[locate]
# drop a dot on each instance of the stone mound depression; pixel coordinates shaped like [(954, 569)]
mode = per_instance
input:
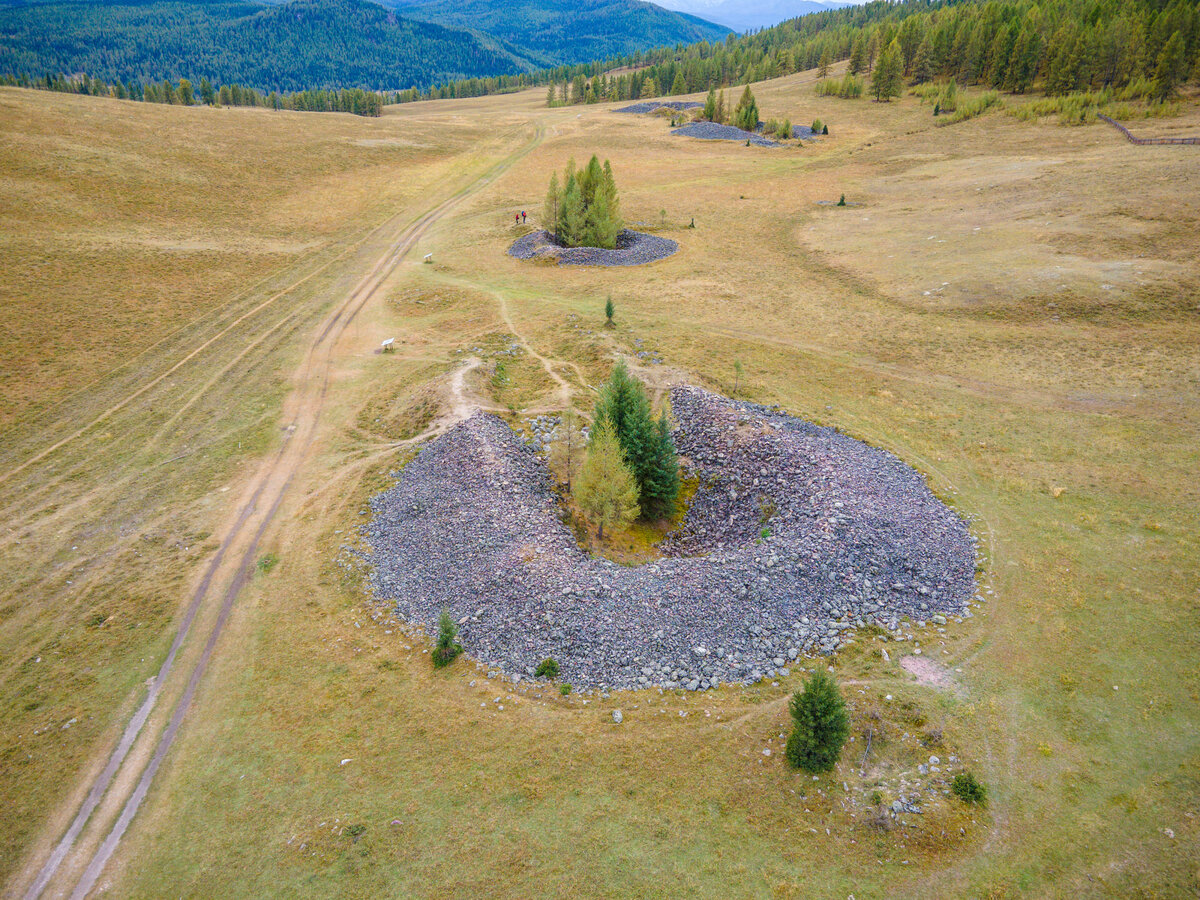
[(855, 537), (634, 248)]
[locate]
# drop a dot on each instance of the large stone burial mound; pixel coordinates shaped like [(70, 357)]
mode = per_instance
[(854, 536)]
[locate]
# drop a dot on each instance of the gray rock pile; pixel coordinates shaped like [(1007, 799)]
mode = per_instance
[(649, 106), (634, 248), (853, 536), (711, 131)]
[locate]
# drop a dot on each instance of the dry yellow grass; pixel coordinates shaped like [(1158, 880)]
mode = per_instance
[(1046, 384)]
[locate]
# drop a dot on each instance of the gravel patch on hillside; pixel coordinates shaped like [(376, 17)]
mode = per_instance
[(711, 131), (649, 106), (804, 132), (856, 537), (634, 248)]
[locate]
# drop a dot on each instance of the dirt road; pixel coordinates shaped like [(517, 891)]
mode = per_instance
[(70, 869)]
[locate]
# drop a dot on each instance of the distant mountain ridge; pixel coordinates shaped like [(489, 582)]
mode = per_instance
[(328, 43), (745, 15), (562, 32)]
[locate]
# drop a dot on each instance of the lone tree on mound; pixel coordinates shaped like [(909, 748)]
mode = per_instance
[(645, 441), (605, 489), (745, 114), (820, 725), (582, 210)]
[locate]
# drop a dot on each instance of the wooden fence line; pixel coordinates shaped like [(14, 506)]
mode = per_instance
[(1137, 140)]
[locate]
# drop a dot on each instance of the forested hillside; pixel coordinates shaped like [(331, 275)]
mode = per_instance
[(554, 32), (1056, 46), (310, 44), (305, 44)]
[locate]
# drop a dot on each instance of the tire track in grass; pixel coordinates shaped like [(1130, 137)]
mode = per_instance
[(241, 542)]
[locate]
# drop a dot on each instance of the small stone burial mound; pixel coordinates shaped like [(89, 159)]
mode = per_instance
[(711, 131), (853, 536), (634, 248), (649, 106)]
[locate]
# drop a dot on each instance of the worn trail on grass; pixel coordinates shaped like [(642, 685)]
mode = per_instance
[(238, 550)]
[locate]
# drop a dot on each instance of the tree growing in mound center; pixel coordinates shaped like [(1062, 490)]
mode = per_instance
[(582, 210), (645, 441), (605, 488), (745, 114), (820, 725)]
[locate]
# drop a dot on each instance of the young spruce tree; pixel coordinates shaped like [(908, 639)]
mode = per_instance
[(819, 725)]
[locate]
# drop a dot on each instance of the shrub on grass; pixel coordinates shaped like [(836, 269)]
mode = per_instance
[(820, 725), (968, 789), (976, 106), (817, 125), (849, 87), (564, 689), (447, 649), (547, 668)]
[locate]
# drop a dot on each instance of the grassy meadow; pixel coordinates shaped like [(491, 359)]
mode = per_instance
[(1009, 306)]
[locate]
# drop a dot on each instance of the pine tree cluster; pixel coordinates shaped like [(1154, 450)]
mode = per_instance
[(745, 114), (583, 210), (645, 441)]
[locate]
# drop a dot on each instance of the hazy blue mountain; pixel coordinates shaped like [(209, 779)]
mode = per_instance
[(557, 32), (743, 15)]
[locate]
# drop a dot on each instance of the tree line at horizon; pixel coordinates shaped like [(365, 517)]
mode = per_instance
[(347, 100)]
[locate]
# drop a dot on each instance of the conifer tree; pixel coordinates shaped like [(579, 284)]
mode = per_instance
[(923, 62), (646, 443), (679, 86), (572, 216), (550, 206), (566, 452), (885, 81), (745, 114), (447, 648), (820, 724), (858, 55), (1171, 69), (661, 490), (722, 110), (823, 65), (709, 112), (605, 489)]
